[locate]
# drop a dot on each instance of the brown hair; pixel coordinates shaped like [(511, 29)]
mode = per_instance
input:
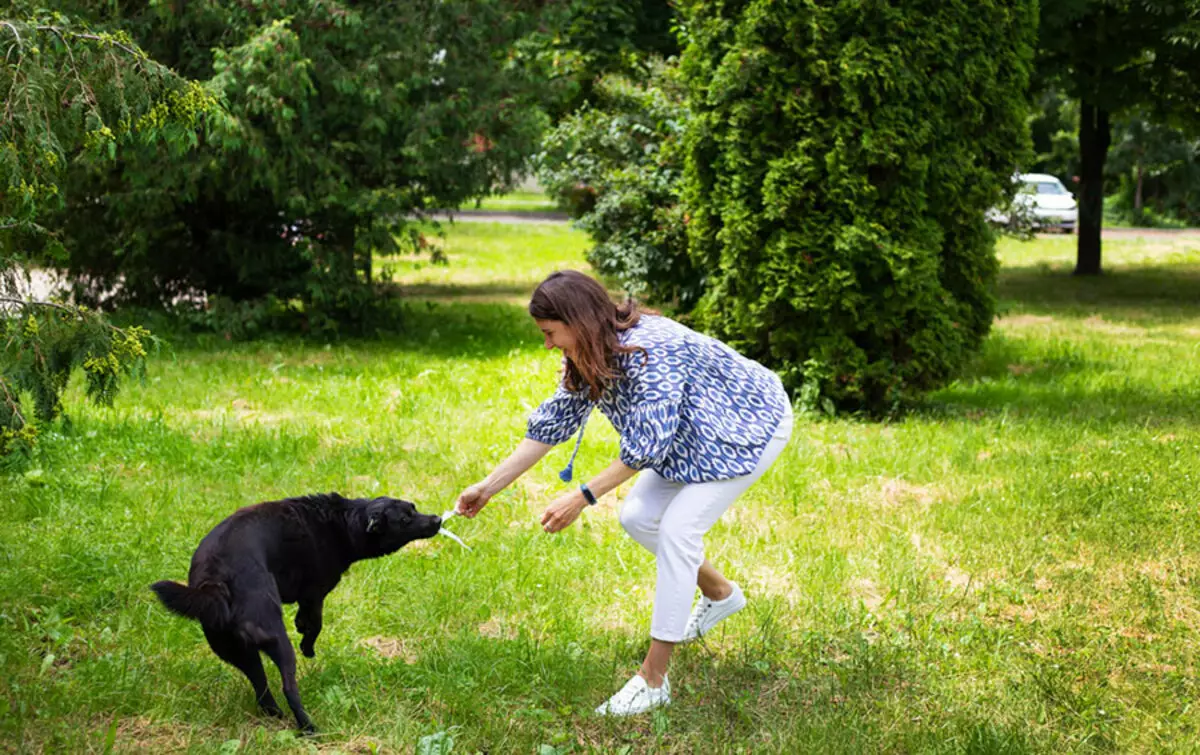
[(582, 304)]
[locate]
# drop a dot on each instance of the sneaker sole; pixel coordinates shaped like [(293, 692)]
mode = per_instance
[(601, 712)]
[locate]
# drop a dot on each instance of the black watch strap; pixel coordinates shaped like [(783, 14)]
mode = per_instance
[(587, 494)]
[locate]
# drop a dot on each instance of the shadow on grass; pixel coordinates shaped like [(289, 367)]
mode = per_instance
[(506, 293), (1062, 384), (447, 328), (1146, 295), (1059, 377), (456, 328), (826, 692)]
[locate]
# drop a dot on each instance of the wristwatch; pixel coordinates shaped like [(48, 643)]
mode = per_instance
[(587, 494)]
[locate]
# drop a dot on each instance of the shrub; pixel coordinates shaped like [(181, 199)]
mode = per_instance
[(840, 161), (616, 165)]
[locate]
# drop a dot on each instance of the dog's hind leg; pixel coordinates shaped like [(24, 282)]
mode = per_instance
[(231, 649), (308, 624), (279, 648)]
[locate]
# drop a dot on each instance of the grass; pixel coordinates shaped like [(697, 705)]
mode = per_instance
[(486, 262), (519, 201), (1011, 569)]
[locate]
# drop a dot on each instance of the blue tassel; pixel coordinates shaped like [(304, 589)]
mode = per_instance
[(568, 472)]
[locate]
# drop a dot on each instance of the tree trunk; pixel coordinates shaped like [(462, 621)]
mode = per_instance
[(1137, 191), (1094, 137), (367, 267)]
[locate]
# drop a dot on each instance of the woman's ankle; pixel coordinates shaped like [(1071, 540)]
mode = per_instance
[(653, 681), (718, 592)]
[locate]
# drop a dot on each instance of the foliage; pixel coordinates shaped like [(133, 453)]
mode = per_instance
[(74, 96), (1114, 57), (44, 344), (1157, 168), (1055, 134), (840, 162), (617, 164), (341, 121), (581, 41)]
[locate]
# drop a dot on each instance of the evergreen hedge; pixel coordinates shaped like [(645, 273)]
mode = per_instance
[(840, 160)]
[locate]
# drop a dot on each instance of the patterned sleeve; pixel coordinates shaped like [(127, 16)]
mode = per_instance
[(657, 383), (558, 417)]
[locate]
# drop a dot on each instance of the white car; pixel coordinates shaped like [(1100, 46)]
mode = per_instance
[(1041, 201)]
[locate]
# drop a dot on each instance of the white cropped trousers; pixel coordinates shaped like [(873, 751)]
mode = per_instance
[(670, 519)]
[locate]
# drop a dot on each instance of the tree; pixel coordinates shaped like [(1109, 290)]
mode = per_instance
[(340, 121), (1113, 56), (73, 94), (1157, 163), (1054, 130), (840, 161), (616, 164), (581, 41)]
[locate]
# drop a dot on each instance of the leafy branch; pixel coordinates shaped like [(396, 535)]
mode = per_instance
[(73, 95)]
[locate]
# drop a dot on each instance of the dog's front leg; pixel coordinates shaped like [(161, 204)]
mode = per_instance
[(308, 623)]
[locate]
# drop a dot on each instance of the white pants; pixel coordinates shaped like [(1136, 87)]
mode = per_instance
[(670, 519)]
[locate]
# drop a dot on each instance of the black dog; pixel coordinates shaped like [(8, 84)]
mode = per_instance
[(291, 551)]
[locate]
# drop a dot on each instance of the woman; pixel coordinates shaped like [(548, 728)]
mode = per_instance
[(700, 422)]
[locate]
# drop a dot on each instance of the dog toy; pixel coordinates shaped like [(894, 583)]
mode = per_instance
[(443, 531)]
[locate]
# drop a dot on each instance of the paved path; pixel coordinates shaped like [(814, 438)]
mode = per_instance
[(43, 283), (1149, 233), (517, 218)]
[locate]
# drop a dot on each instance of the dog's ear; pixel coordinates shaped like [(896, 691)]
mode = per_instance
[(377, 517)]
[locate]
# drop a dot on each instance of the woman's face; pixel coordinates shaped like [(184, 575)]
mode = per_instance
[(558, 336)]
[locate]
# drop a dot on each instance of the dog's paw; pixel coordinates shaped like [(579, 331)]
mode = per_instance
[(273, 711), (308, 650), (308, 728)]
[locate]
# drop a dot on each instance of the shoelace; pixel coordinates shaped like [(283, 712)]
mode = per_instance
[(627, 694), (698, 617)]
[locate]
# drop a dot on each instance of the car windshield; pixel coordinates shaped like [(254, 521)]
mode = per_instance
[(1044, 187)]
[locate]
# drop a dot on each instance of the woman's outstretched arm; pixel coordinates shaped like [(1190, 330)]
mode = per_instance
[(527, 453)]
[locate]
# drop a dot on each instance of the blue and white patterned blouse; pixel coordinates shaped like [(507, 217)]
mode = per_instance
[(694, 411)]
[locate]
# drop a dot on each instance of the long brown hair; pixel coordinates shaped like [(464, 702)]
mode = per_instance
[(582, 304)]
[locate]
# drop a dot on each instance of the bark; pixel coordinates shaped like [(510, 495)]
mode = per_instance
[(1095, 134)]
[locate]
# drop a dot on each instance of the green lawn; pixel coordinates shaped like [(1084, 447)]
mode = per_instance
[(519, 201), (1014, 568)]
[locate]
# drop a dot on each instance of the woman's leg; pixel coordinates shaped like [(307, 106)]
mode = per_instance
[(644, 506), (641, 514), (680, 555), (712, 583)]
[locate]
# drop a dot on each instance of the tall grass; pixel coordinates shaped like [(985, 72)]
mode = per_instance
[(1012, 568)]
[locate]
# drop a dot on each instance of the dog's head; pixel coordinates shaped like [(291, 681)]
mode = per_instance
[(390, 523)]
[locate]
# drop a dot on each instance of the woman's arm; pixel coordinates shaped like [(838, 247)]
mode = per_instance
[(527, 453), (567, 507), (609, 479)]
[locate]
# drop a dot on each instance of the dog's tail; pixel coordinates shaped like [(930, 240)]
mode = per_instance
[(208, 603)]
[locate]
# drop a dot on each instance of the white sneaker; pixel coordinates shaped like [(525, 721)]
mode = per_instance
[(636, 697), (708, 613)]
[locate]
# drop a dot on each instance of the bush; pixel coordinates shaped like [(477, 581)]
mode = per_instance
[(840, 161), (617, 165), (338, 122)]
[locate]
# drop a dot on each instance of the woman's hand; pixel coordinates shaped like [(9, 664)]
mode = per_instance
[(564, 510), (472, 500)]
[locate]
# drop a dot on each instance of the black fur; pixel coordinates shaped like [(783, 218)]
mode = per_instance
[(291, 551)]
